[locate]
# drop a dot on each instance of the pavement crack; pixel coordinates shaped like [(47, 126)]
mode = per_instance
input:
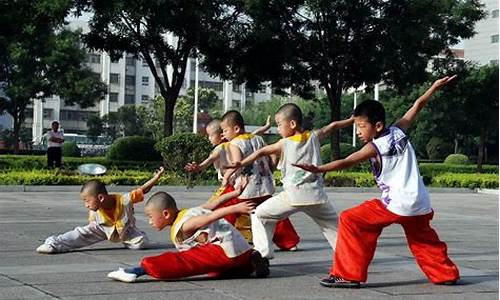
[(31, 286)]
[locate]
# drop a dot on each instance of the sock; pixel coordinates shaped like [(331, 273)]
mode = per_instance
[(139, 271)]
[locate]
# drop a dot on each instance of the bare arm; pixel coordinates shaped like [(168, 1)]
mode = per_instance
[(264, 151), (195, 223), (405, 122), (194, 167), (261, 130), (226, 197), (146, 187), (363, 154), (336, 125)]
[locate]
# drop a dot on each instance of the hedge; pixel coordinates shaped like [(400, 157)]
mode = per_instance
[(136, 148), (16, 162), (49, 177), (457, 159), (471, 181)]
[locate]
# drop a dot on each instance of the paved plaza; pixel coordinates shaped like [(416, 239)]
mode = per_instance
[(466, 221)]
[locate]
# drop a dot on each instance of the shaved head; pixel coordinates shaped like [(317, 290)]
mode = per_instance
[(234, 118), (215, 125), (161, 201), (291, 112), (94, 187)]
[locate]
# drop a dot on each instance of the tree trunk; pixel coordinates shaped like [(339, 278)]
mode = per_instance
[(168, 121), (334, 99), (482, 141), (17, 127), (455, 151)]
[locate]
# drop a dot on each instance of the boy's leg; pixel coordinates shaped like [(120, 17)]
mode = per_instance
[(195, 261), (429, 251), (326, 217), (264, 222), (79, 237), (136, 239), (359, 229), (285, 236)]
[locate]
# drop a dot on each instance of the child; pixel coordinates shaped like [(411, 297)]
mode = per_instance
[(218, 157), (302, 191), (111, 217), (207, 243), (404, 199), (260, 178)]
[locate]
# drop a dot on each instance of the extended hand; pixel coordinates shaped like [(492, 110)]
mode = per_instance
[(160, 172), (192, 167), (245, 207), (443, 81), (308, 167)]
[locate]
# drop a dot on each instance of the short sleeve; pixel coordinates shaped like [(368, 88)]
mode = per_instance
[(137, 195)]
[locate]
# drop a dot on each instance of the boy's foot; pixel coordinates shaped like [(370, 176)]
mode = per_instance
[(121, 275), (259, 264), (338, 282), (45, 249)]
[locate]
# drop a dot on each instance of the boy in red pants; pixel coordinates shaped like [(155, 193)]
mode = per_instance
[(207, 243), (404, 200)]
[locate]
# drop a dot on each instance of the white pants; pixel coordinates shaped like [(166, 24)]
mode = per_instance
[(278, 208), (93, 233)]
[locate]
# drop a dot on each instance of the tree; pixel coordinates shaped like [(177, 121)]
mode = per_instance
[(39, 58), (95, 127), (163, 33), (208, 101), (342, 44)]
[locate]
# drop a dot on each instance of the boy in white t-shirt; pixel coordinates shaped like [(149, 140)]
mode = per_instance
[(404, 200)]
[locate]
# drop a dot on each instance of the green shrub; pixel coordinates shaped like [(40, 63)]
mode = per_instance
[(431, 169), (471, 181), (345, 150), (437, 148), (134, 148), (70, 149), (181, 148), (356, 179), (457, 159)]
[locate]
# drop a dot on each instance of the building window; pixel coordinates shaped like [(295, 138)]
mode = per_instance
[(236, 88), (115, 61), (28, 113), (494, 61), (95, 58), (129, 99), (494, 13), (145, 80), (145, 63), (130, 61), (235, 103), (145, 98), (114, 78), (129, 80), (113, 97), (494, 39)]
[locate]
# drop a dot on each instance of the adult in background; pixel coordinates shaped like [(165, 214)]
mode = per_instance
[(55, 141)]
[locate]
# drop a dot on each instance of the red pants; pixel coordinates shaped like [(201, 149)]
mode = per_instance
[(359, 229), (285, 236), (196, 261), (232, 217)]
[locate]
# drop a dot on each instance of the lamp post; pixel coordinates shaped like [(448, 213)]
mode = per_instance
[(195, 114)]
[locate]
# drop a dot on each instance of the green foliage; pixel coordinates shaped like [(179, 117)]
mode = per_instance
[(181, 148), (51, 177), (208, 101), (70, 149), (471, 181), (437, 148), (95, 127), (135, 148), (345, 150), (457, 159), (356, 179)]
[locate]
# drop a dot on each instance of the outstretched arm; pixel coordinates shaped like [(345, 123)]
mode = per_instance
[(151, 182), (226, 197), (405, 122), (261, 130), (195, 223), (194, 167), (267, 150), (364, 153), (336, 125)]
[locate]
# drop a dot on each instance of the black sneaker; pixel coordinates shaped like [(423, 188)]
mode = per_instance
[(338, 282), (259, 264)]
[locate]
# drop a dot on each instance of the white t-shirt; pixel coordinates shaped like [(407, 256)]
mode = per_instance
[(57, 134), (403, 190), (302, 187), (260, 177)]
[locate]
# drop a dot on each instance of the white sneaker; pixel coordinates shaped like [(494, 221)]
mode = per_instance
[(121, 275), (45, 249), (293, 249)]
